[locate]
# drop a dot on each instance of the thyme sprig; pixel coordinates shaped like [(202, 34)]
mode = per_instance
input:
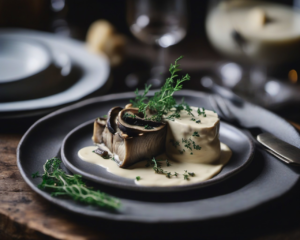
[(162, 101), (158, 169), (62, 184)]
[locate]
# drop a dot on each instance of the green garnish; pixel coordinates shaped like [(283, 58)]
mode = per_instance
[(128, 115), (62, 184), (163, 101), (187, 144), (198, 121), (148, 127), (104, 116), (138, 178), (203, 112), (195, 134), (35, 175), (174, 143), (187, 174), (158, 169), (193, 119), (173, 116)]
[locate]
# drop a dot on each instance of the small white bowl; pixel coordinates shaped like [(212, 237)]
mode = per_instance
[(27, 70)]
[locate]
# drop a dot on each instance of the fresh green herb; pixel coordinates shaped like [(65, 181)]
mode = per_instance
[(113, 158), (157, 168), (148, 127), (138, 178), (104, 116), (196, 147), (188, 109), (187, 144), (162, 101), (128, 115), (203, 112), (179, 107), (174, 143), (140, 98), (186, 175), (62, 184), (35, 175), (198, 121), (195, 134), (193, 119), (173, 116)]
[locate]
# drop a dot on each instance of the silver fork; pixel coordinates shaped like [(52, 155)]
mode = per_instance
[(278, 148)]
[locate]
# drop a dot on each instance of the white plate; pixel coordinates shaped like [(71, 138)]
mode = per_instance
[(95, 71), (20, 59)]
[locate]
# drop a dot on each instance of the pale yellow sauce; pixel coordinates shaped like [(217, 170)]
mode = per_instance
[(150, 178), (267, 41), (205, 129)]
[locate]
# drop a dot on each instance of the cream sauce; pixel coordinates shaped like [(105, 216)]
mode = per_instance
[(271, 30), (147, 175), (193, 138)]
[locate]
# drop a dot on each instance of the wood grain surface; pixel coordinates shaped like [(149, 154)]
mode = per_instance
[(25, 215)]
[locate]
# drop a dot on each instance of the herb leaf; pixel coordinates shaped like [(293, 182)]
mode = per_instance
[(62, 184), (163, 101)]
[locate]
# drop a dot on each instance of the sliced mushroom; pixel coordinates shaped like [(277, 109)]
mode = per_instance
[(128, 151), (99, 126), (112, 117), (111, 127), (128, 139), (101, 152), (131, 122)]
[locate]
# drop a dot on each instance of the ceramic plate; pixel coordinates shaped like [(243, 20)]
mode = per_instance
[(265, 178), (239, 143), (95, 70)]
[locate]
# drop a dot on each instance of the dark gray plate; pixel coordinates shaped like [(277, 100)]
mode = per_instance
[(241, 146), (265, 178)]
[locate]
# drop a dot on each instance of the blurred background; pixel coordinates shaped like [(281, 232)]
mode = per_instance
[(249, 48)]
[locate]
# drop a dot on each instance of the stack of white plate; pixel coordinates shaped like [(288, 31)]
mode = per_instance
[(41, 71)]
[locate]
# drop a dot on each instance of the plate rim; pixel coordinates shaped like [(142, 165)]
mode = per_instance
[(122, 218), (125, 186), (45, 102)]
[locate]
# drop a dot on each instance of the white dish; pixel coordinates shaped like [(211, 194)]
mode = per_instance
[(95, 71), (20, 59)]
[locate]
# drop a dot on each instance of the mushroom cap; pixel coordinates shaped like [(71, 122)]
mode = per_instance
[(134, 123), (111, 119)]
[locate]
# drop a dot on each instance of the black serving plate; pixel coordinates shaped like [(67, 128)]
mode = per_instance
[(240, 144), (265, 178)]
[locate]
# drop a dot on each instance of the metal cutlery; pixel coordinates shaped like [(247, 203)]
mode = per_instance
[(278, 148)]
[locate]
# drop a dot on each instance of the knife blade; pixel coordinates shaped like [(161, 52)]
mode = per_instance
[(282, 150)]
